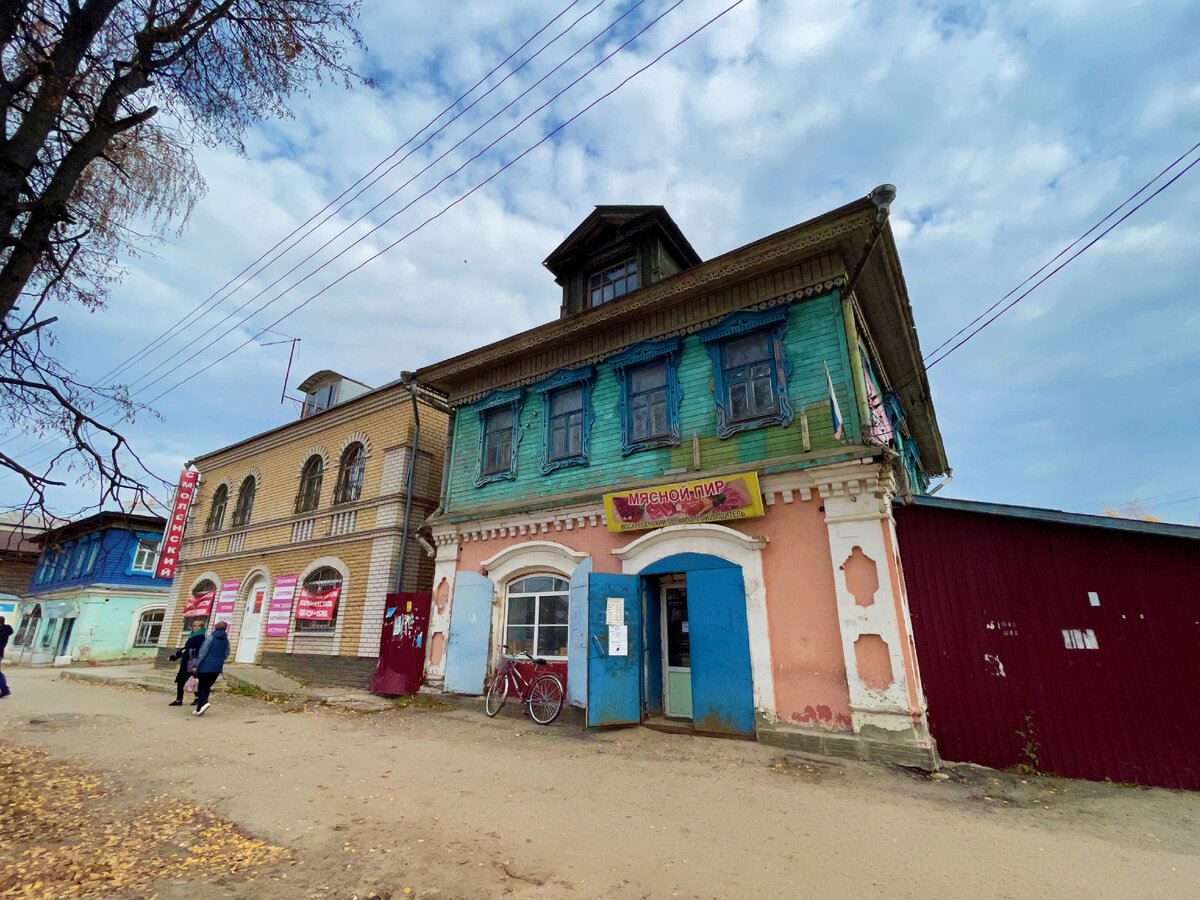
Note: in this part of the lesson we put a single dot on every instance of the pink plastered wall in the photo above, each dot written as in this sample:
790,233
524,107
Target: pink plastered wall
807,664
808,667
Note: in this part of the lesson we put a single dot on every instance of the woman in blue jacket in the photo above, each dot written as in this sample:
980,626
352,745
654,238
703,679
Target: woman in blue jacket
209,662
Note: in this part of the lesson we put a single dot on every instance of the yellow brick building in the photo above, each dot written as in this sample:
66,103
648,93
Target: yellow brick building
321,500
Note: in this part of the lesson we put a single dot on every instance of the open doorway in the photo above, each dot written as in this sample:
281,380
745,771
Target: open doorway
668,651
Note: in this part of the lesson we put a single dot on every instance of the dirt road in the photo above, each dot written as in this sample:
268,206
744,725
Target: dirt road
453,804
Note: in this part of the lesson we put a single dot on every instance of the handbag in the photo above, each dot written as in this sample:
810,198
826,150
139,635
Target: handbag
192,685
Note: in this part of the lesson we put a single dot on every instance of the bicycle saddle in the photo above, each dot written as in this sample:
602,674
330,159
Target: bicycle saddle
540,662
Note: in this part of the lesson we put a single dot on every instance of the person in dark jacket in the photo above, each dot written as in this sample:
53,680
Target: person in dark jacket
186,654
210,660
5,633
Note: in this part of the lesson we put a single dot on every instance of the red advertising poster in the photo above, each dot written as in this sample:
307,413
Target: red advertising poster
279,613
168,557
317,606
199,604
227,600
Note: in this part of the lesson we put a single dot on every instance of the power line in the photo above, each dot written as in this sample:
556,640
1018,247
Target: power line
367,213
576,81
410,204
1065,250
994,316
112,372
464,196
374,181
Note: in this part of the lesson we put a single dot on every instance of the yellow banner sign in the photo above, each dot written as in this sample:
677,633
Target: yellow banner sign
685,503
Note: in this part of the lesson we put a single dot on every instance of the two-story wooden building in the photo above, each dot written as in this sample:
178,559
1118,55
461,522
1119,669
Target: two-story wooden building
298,534
680,491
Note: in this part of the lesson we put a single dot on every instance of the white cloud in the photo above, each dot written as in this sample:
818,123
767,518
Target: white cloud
1008,131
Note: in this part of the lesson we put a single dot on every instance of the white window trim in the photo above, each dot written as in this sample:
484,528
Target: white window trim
565,594
137,619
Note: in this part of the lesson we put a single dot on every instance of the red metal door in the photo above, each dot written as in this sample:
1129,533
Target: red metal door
402,644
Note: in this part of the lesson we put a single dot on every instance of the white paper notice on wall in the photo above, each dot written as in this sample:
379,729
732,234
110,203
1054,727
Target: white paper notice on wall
615,611
618,640
1080,639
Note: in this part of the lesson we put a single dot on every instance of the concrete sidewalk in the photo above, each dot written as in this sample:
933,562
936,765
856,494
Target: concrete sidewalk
256,678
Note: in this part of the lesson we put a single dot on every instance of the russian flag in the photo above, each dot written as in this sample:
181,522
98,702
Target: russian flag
834,412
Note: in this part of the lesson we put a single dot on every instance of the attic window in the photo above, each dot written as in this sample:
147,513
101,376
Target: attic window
320,399
613,282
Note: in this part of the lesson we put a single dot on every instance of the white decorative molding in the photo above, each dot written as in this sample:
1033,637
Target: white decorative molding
334,563
712,536
309,454
251,472
357,438
531,556
303,530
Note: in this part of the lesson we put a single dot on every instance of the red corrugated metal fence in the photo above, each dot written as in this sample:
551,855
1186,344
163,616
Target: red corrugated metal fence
1010,639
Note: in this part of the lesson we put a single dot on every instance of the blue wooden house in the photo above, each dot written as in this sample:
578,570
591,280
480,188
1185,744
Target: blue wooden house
93,596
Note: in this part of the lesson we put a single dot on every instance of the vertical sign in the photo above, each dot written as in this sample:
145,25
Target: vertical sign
279,613
227,599
168,558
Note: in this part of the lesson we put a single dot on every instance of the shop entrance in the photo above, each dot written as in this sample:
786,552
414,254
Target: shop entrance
671,643
676,647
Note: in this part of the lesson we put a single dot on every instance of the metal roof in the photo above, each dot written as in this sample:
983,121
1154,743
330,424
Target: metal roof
1059,517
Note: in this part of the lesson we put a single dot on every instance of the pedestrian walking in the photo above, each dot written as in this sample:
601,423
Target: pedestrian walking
210,660
187,657
5,634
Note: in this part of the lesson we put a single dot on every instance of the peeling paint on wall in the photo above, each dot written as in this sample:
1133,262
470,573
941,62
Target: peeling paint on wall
862,577
874,662
994,665
437,646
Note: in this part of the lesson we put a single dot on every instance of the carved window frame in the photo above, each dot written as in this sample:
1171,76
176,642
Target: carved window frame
582,378
622,364
494,402
773,321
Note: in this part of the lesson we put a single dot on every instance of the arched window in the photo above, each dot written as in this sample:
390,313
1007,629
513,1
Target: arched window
198,609
216,515
350,474
320,599
245,502
537,616
310,484
149,628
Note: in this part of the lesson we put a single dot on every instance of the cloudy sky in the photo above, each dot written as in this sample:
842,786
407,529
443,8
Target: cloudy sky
1008,128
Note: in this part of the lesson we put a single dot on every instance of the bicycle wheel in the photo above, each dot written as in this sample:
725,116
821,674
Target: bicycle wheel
546,699
496,694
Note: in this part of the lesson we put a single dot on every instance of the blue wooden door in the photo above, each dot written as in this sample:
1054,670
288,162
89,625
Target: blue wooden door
614,682
722,687
577,637
470,627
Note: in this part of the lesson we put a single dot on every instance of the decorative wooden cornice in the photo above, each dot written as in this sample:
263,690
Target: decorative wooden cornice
797,244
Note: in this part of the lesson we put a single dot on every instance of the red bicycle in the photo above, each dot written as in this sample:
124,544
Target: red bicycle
543,693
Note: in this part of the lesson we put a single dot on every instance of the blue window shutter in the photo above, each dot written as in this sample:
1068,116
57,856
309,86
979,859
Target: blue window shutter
773,321
493,402
577,646
470,629
622,365
582,378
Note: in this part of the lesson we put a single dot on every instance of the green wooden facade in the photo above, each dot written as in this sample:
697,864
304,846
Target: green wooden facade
814,334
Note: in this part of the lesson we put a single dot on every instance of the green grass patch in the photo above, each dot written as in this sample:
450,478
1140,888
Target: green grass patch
422,702
257,693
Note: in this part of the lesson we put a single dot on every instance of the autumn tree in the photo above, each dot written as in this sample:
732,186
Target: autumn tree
102,101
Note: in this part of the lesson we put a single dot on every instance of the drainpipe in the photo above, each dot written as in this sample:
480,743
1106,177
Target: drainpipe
882,197
408,482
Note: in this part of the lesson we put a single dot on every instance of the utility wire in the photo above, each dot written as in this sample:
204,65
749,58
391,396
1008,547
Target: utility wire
607,57
330,205
374,181
998,313
464,196
1065,250
412,202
